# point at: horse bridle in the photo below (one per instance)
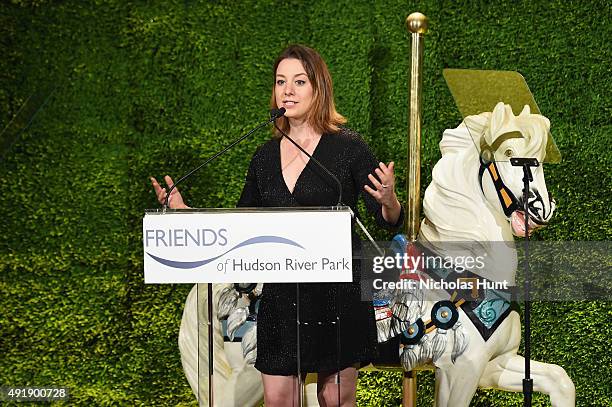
(506, 198)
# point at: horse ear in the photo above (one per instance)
(526, 114)
(526, 111)
(498, 117)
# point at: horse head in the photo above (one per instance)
(500, 136)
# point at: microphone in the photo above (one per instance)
(328, 172)
(274, 114)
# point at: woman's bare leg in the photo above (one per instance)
(327, 388)
(280, 391)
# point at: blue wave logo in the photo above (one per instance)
(248, 242)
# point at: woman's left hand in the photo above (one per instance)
(384, 182)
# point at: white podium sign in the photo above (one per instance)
(248, 246)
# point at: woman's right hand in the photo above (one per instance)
(175, 201)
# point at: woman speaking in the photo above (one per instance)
(281, 175)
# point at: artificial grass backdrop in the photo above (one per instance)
(126, 90)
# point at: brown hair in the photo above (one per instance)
(322, 116)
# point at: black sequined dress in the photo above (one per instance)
(348, 157)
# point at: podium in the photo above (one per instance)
(242, 245)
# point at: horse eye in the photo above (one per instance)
(508, 153)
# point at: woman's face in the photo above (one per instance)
(293, 89)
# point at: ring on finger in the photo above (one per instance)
(384, 185)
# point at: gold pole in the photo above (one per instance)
(417, 25)
(409, 391)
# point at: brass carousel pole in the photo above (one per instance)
(417, 25)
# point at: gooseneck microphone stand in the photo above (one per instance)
(297, 287)
(527, 163)
(274, 114)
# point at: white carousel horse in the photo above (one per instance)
(459, 206)
(462, 205)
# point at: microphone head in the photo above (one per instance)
(276, 113)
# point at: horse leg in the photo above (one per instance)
(456, 385)
(507, 371)
(243, 387)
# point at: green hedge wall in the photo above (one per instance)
(117, 91)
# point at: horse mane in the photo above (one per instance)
(451, 191)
